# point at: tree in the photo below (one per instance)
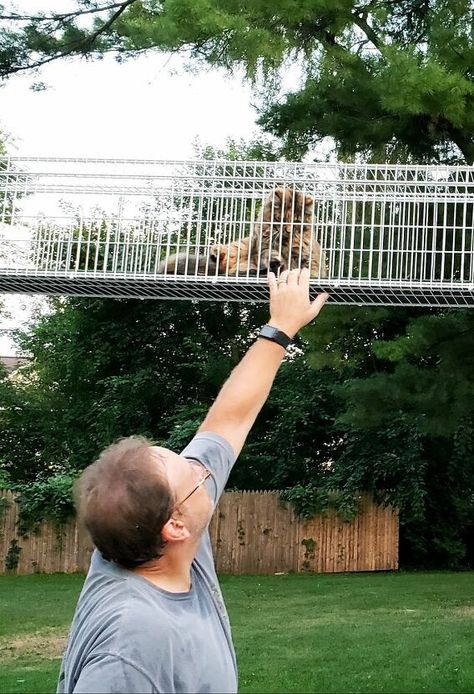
(102, 369)
(406, 421)
(353, 55)
(293, 438)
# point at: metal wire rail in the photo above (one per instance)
(370, 234)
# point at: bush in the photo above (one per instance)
(50, 500)
(310, 500)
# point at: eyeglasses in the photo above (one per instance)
(205, 477)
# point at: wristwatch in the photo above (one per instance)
(268, 332)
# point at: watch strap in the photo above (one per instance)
(268, 332)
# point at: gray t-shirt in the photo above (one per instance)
(128, 635)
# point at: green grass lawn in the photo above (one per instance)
(386, 632)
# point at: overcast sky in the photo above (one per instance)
(145, 108)
(148, 108)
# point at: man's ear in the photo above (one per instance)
(174, 530)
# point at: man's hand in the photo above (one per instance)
(290, 305)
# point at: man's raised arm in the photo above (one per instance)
(244, 393)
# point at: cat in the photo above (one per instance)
(282, 238)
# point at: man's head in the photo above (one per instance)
(131, 501)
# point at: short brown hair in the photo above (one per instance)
(124, 501)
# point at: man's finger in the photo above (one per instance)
(317, 304)
(272, 284)
(293, 277)
(283, 279)
(304, 277)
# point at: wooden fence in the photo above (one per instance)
(251, 532)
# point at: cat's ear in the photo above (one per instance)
(308, 205)
(272, 206)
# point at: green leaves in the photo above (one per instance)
(404, 389)
(311, 500)
(385, 79)
(50, 499)
(431, 379)
(429, 87)
(103, 369)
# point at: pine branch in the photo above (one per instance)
(59, 17)
(454, 336)
(74, 46)
(463, 142)
(371, 34)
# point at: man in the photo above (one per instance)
(151, 617)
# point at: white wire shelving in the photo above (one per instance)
(211, 230)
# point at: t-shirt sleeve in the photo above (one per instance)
(216, 454)
(109, 673)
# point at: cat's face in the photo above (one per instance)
(288, 207)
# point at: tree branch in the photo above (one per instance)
(371, 34)
(463, 142)
(75, 46)
(59, 17)
(123, 6)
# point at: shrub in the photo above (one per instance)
(50, 500)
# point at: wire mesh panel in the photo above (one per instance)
(370, 234)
